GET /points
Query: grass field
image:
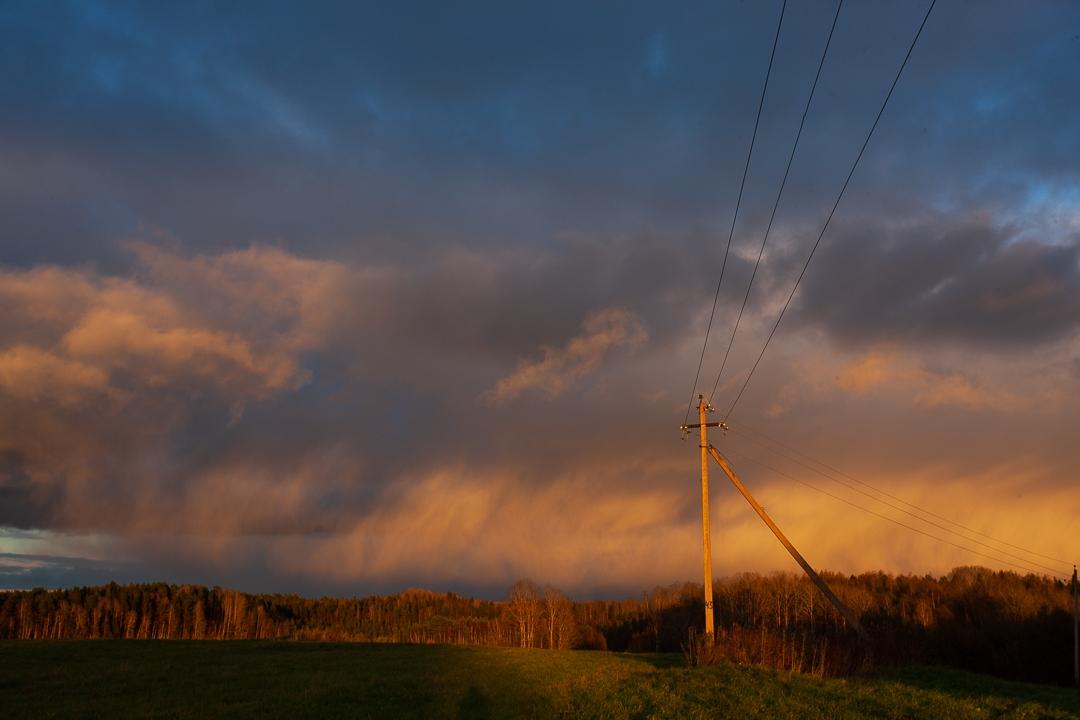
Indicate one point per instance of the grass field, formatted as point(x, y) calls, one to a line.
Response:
point(118, 678)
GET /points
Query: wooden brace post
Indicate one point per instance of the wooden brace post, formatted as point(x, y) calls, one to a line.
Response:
point(822, 586)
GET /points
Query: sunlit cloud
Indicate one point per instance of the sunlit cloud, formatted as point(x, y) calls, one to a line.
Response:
point(33, 374)
point(559, 368)
point(888, 368)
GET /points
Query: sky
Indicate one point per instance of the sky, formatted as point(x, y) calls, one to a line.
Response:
point(350, 298)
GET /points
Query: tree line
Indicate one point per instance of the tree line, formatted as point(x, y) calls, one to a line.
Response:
point(1013, 626)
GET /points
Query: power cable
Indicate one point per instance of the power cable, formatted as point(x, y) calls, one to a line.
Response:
point(744, 429)
point(735, 215)
point(779, 194)
point(892, 520)
point(828, 219)
point(909, 513)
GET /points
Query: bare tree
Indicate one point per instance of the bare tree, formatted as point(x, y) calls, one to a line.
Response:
point(566, 624)
point(525, 609)
point(552, 595)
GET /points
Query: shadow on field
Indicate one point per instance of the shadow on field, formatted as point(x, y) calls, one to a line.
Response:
point(660, 661)
point(962, 684)
point(474, 706)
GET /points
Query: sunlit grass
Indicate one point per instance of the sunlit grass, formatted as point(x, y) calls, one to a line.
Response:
point(291, 679)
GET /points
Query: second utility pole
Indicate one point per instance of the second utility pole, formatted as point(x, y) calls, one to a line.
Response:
point(1076, 631)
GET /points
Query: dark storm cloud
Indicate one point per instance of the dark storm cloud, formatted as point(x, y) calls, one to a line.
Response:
point(368, 113)
point(940, 280)
point(321, 128)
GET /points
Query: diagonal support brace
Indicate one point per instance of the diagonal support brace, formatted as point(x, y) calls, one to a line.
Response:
point(822, 586)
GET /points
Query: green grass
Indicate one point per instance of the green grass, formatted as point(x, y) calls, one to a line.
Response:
point(291, 679)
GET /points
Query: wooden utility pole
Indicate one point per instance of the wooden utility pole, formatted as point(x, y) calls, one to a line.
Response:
point(706, 535)
point(1076, 632)
point(825, 589)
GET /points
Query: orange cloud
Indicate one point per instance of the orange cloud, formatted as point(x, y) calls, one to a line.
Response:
point(561, 367)
point(885, 368)
point(33, 374)
point(869, 371)
point(95, 370)
point(294, 300)
point(159, 355)
point(584, 528)
point(456, 523)
point(235, 322)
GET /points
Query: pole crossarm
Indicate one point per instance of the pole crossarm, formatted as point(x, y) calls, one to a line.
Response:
point(843, 609)
point(719, 424)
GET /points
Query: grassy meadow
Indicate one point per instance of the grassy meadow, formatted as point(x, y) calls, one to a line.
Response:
point(176, 679)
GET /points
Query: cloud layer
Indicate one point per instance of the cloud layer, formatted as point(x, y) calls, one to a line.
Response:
point(354, 299)
point(557, 370)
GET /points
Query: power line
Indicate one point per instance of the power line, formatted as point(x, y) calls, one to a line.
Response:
point(911, 514)
point(892, 520)
point(886, 517)
point(779, 194)
point(828, 219)
point(753, 431)
point(735, 215)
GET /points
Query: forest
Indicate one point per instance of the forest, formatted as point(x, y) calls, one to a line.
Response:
point(1000, 623)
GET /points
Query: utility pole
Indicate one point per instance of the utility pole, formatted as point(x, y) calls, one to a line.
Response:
point(1076, 632)
point(706, 535)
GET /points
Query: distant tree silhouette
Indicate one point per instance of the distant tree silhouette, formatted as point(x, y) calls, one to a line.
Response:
point(1002, 623)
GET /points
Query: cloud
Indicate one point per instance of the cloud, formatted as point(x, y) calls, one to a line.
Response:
point(23, 572)
point(887, 368)
point(590, 531)
point(559, 368)
point(339, 367)
point(236, 321)
point(129, 341)
point(943, 280)
point(131, 400)
point(291, 301)
point(32, 374)
point(100, 374)
point(496, 525)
